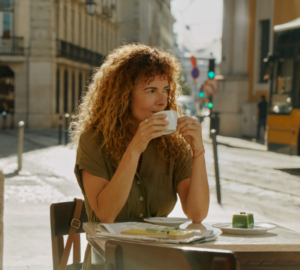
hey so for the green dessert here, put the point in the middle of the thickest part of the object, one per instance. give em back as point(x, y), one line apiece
point(243, 220)
point(251, 220)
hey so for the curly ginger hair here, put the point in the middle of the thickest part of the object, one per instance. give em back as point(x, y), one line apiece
point(105, 106)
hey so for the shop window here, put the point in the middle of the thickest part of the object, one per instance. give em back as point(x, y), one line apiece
point(7, 100)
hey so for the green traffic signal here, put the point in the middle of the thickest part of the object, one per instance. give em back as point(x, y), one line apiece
point(211, 74)
point(201, 95)
point(210, 105)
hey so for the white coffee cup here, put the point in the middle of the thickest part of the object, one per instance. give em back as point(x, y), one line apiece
point(172, 118)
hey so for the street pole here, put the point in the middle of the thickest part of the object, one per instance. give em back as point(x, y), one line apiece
point(195, 103)
point(66, 126)
point(59, 129)
point(216, 161)
point(20, 144)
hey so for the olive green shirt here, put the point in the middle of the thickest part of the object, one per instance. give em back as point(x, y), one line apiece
point(154, 187)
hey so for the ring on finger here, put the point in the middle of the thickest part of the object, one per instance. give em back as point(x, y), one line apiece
point(194, 123)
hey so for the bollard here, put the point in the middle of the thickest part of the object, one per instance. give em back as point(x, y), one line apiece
point(218, 188)
point(66, 126)
point(20, 144)
point(59, 129)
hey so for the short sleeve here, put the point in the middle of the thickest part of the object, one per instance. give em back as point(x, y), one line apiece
point(90, 157)
point(259, 105)
point(182, 169)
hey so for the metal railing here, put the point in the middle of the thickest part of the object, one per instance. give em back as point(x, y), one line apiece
point(11, 46)
point(73, 52)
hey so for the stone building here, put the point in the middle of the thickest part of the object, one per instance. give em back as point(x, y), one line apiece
point(147, 21)
point(49, 49)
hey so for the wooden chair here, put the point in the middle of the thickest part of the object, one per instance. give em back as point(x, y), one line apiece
point(61, 215)
point(127, 255)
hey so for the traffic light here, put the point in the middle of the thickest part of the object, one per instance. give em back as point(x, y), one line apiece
point(210, 105)
point(201, 95)
point(211, 68)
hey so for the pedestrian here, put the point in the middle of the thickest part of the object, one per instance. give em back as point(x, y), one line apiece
point(261, 116)
point(125, 167)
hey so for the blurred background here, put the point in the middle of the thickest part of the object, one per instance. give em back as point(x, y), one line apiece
point(240, 76)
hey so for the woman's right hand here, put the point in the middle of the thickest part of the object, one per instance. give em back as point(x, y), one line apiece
point(147, 131)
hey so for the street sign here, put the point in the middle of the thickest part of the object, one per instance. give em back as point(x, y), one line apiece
point(195, 73)
point(193, 61)
point(211, 87)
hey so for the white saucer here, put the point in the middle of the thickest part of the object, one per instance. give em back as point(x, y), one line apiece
point(167, 221)
point(259, 228)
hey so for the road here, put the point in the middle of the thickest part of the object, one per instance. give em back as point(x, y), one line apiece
point(252, 180)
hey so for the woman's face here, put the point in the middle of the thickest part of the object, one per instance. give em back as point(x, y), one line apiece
point(149, 97)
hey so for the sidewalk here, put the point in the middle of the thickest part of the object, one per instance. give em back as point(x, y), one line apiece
point(47, 176)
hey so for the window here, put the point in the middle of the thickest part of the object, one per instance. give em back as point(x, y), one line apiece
point(102, 38)
point(79, 87)
point(79, 29)
point(97, 36)
point(92, 35)
point(7, 101)
point(5, 24)
point(5, 4)
point(281, 100)
point(86, 32)
point(66, 22)
point(66, 91)
point(73, 26)
point(264, 48)
point(57, 90)
point(73, 92)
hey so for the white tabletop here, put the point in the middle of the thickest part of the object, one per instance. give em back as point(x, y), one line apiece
point(279, 239)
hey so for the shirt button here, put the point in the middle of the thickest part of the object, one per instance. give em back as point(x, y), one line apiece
point(138, 182)
point(141, 214)
point(141, 198)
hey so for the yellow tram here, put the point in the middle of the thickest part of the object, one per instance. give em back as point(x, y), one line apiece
point(283, 122)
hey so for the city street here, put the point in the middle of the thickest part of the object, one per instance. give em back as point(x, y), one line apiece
point(252, 180)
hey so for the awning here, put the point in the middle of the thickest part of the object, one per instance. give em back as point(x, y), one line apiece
point(287, 26)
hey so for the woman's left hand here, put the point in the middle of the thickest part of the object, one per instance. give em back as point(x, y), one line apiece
point(191, 131)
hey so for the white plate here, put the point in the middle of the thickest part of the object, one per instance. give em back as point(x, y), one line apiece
point(259, 228)
point(167, 221)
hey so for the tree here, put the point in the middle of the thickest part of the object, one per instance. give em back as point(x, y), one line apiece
point(185, 89)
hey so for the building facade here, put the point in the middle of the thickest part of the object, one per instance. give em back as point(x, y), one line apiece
point(247, 39)
point(147, 21)
point(49, 50)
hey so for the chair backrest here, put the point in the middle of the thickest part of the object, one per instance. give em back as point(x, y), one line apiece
point(61, 215)
point(127, 255)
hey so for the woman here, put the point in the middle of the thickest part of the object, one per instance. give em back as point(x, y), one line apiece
point(125, 167)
